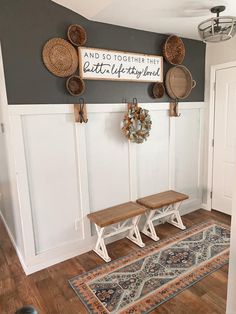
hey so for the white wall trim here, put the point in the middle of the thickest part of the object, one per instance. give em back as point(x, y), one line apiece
point(204, 206)
point(95, 108)
point(231, 300)
point(14, 243)
point(200, 153)
point(10, 155)
point(211, 120)
point(83, 178)
point(132, 171)
point(171, 166)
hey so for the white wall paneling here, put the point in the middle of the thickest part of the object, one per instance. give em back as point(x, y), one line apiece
point(50, 168)
point(188, 154)
point(66, 170)
point(9, 201)
point(152, 157)
point(108, 161)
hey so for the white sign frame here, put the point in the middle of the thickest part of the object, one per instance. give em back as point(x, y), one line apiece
point(119, 65)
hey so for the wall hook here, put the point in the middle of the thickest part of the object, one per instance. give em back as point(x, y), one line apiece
point(80, 111)
point(135, 101)
point(174, 109)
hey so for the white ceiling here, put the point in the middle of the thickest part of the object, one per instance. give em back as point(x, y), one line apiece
point(180, 17)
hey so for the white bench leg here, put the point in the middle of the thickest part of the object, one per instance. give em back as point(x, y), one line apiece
point(148, 228)
point(175, 218)
point(134, 234)
point(100, 247)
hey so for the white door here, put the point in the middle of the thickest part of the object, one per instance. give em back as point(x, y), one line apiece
point(224, 139)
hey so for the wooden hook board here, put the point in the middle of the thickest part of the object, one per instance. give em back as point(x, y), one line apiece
point(174, 109)
point(80, 111)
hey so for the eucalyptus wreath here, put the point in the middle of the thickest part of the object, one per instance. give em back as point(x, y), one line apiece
point(137, 124)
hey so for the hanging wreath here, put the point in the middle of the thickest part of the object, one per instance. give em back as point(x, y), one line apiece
point(137, 124)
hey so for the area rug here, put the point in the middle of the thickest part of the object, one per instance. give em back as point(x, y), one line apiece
point(143, 280)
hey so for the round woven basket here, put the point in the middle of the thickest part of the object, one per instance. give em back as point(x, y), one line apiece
point(77, 35)
point(60, 57)
point(75, 85)
point(179, 82)
point(158, 90)
point(174, 50)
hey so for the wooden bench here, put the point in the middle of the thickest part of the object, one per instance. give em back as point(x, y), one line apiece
point(120, 215)
point(163, 207)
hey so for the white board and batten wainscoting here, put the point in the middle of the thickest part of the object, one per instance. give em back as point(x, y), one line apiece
point(66, 170)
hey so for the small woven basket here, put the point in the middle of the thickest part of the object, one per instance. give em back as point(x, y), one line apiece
point(158, 90)
point(75, 85)
point(77, 35)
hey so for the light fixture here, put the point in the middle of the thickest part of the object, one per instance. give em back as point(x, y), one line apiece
point(219, 28)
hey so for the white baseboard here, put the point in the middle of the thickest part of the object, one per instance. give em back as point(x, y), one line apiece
point(47, 263)
point(190, 206)
point(14, 243)
point(29, 269)
point(204, 206)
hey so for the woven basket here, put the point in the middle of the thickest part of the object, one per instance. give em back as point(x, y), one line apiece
point(174, 50)
point(158, 90)
point(75, 85)
point(77, 35)
point(179, 82)
point(60, 57)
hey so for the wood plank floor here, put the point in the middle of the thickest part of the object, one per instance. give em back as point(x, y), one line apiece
point(48, 290)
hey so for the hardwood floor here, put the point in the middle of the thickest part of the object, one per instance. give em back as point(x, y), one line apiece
point(48, 290)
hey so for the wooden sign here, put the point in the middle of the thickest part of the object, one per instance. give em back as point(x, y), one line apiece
point(102, 64)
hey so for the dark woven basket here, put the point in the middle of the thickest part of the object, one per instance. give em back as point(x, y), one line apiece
point(75, 85)
point(158, 90)
point(77, 35)
point(174, 50)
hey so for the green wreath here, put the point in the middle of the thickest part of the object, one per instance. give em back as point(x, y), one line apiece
point(137, 124)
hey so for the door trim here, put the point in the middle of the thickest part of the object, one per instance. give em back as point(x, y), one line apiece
point(211, 121)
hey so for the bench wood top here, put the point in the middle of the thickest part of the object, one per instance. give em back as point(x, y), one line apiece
point(159, 200)
point(115, 214)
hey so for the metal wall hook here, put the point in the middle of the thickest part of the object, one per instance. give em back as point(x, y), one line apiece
point(135, 101)
point(82, 112)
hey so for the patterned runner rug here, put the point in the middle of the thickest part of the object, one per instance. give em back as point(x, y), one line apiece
point(143, 280)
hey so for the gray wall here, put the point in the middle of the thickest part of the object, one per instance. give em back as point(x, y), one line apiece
point(25, 25)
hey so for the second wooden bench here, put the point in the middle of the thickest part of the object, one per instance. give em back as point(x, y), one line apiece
point(162, 206)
